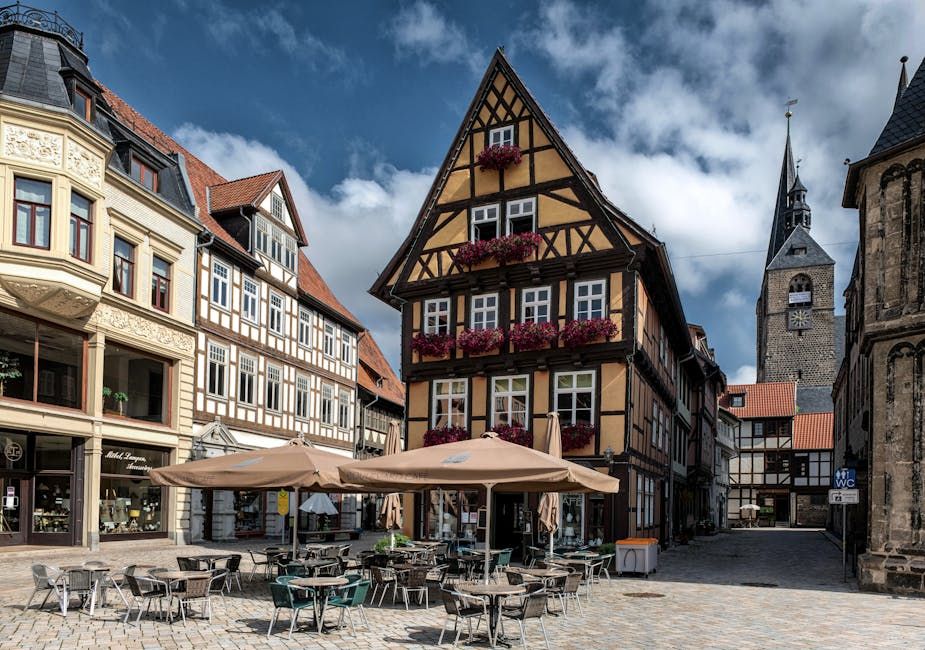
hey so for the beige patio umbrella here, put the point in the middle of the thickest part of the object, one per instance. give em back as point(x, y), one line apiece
point(297, 465)
point(391, 516)
point(548, 510)
point(487, 462)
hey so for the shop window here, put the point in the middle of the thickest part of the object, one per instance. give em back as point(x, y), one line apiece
point(249, 513)
point(51, 511)
point(81, 227)
point(40, 362)
point(129, 503)
point(572, 518)
point(32, 209)
point(134, 384)
point(451, 514)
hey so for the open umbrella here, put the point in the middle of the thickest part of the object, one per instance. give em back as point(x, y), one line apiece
point(487, 462)
point(295, 465)
point(548, 510)
point(319, 503)
point(391, 516)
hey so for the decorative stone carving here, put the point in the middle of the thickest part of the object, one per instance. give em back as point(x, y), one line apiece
point(51, 296)
point(85, 164)
point(117, 319)
point(33, 145)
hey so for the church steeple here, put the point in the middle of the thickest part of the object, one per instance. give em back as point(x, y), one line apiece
point(798, 212)
point(903, 82)
point(779, 229)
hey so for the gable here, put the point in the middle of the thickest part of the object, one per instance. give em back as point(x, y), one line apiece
point(277, 204)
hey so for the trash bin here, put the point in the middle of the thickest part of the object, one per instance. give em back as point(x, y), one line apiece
point(637, 555)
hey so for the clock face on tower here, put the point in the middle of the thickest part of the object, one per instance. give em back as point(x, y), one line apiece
point(799, 319)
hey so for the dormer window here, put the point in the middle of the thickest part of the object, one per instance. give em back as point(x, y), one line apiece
point(798, 250)
point(144, 174)
point(276, 206)
point(737, 401)
point(83, 104)
point(501, 137)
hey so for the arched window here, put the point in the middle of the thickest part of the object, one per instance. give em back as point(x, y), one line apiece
point(801, 290)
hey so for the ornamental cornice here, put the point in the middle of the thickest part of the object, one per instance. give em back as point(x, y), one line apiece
point(124, 322)
point(50, 296)
point(33, 145)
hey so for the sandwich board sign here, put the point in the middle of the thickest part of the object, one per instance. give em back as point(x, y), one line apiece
point(845, 478)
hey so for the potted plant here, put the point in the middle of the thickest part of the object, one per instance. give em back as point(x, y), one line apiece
point(9, 369)
point(433, 345)
point(384, 543)
point(480, 341)
point(498, 157)
point(513, 433)
point(576, 436)
point(118, 397)
point(581, 332)
point(443, 435)
point(533, 336)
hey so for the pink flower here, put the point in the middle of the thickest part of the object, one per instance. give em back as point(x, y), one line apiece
point(515, 248)
point(512, 433)
point(480, 341)
point(443, 435)
point(498, 157)
point(581, 332)
point(576, 436)
point(533, 336)
point(433, 345)
point(473, 252)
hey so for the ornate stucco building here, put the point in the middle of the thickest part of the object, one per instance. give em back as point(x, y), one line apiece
point(879, 391)
point(97, 286)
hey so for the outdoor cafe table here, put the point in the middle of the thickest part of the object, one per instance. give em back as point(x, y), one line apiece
point(97, 573)
point(210, 560)
point(545, 575)
point(495, 593)
point(587, 555)
point(175, 577)
point(322, 585)
point(315, 564)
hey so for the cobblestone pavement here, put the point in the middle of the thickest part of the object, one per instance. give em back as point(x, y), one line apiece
point(700, 603)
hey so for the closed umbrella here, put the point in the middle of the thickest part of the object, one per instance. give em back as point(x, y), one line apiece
point(295, 465)
point(391, 516)
point(319, 504)
point(548, 510)
point(487, 462)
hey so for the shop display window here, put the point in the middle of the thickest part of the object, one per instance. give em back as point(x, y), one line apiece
point(452, 514)
point(51, 511)
point(572, 513)
point(249, 512)
point(129, 502)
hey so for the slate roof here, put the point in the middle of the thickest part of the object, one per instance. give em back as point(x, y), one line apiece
point(813, 431)
point(766, 400)
point(375, 374)
point(814, 399)
point(778, 223)
point(908, 119)
point(800, 238)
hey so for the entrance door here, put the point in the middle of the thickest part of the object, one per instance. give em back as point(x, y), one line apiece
point(782, 509)
point(508, 521)
point(12, 524)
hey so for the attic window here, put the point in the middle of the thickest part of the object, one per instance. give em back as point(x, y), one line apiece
point(276, 206)
point(501, 137)
point(144, 174)
point(83, 104)
point(737, 401)
point(798, 250)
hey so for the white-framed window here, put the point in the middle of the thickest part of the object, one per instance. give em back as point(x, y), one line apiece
point(501, 136)
point(521, 216)
point(276, 205)
point(301, 396)
point(574, 393)
point(274, 387)
point(484, 312)
point(221, 273)
point(250, 301)
point(343, 409)
point(305, 328)
point(346, 348)
point(291, 252)
point(450, 403)
point(218, 371)
point(247, 379)
point(327, 404)
point(485, 222)
point(437, 316)
point(535, 303)
point(589, 299)
point(262, 237)
point(329, 336)
point(509, 399)
point(275, 321)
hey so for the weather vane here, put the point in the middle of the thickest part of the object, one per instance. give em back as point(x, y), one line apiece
point(790, 103)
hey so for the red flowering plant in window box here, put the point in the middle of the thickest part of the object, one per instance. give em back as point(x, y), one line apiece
point(533, 336)
point(443, 435)
point(513, 433)
point(581, 332)
point(433, 345)
point(480, 341)
point(576, 436)
point(474, 252)
point(498, 157)
point(515, 248)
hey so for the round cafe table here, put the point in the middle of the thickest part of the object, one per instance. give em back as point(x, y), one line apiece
point(172, 578)
point(97, 573)
point(320, 585)
point(495, 593)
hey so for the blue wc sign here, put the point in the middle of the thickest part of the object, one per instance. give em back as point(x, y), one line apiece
point(844, 479)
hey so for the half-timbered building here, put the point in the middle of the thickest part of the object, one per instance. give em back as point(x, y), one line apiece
point(524, 290)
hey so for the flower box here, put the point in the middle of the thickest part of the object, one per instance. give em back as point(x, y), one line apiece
point(515, 434)
point(480, 341)
point(433, 345)
point(443, 435)
point(582, 332)
point(498, 157)
point(576, 436)
point(474, 252)
point(515, 248)
point(533, 336)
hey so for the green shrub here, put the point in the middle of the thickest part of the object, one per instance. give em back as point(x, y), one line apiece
point(607, 549)
point(384, 543)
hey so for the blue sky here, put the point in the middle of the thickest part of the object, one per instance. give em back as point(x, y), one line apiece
point(677, 107)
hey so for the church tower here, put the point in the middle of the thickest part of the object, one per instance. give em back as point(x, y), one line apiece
point(795, 312)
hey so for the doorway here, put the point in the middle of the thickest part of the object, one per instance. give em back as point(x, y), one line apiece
point(12, 495)
point(782, 509)
point(508, 521)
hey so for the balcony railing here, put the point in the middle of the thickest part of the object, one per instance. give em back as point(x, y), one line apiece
point(46, 21)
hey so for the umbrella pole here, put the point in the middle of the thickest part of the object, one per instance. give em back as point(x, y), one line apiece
point(551, 552)
point(487, 531)
point(295, 526)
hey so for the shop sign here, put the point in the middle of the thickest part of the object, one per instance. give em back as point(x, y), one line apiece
point(282, 503)
point(13, 451)
point(126, 461)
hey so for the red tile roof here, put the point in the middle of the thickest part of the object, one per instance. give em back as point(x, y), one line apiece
point(225, 193)
point(373, 368)
point(813, 431)
point(768, 400)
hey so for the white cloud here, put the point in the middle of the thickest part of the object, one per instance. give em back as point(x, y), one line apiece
point(422, 31)
point(352, 232)
point(743, 375)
